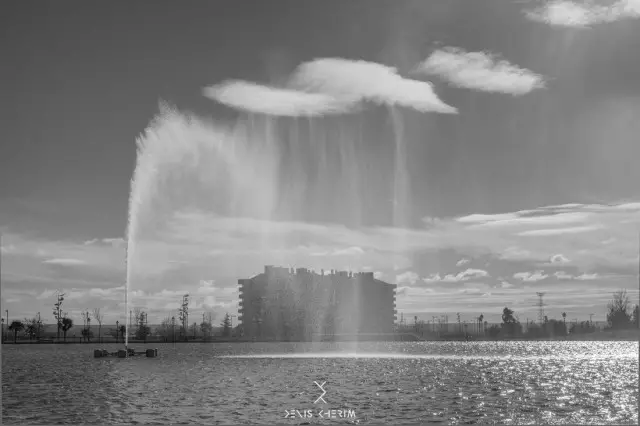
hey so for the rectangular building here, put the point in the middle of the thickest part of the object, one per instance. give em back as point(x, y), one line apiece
point(286, 305)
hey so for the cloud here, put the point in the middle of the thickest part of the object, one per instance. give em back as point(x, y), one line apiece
point(178, 256)
point(7, 249)
point(561, 275)
point(558, 258)
point(546, 216)
point(408, 277)
point(582, 15)
point(459, 277)
point(530, 276)
point(462, 262)
point(586, 277)
point(479, 71)
point(65, 262)
point(558, 231)
point(260, 99)
point(367, 81)
point(115, 242)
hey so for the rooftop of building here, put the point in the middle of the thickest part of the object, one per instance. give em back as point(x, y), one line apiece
point(281, 270)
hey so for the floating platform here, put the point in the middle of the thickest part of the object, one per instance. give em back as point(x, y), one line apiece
point(102, 353)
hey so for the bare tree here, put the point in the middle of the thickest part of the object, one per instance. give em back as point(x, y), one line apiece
point(137, 312)
point(619, 315)
point(99, 317)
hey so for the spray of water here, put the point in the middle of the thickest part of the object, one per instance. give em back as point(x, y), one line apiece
point(271, 168)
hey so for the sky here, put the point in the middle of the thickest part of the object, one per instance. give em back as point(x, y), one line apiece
point(472, 153)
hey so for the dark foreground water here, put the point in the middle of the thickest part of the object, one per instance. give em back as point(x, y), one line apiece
point(446, 382)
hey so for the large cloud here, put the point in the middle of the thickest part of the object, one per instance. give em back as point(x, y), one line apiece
point(370, 81)
point(260, 99)
point(584, 14)
point(480, 71)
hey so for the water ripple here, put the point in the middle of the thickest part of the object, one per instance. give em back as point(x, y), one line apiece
point(445, 382)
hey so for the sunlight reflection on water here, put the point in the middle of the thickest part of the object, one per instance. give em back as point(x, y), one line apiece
point(449, 382)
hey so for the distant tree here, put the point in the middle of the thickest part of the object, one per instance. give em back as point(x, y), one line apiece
point(618, 315)
point(507, 316)
point(123, 330)
point(143, 329)
point(480, 318)
point(582, 328)
point(635, 320)
point(87, 334)
point(65, 325)
point(16, 326)
point(31, 327)
point(58, 314)
point(99, 317)
point(226, 325)
point(494, 331)
point(564, 319)
point(206, 328)
point(510, 324)
point(166, 328)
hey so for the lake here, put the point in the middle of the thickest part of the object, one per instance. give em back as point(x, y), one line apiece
point(366, 383)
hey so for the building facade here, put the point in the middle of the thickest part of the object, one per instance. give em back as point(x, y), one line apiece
point(301, 305)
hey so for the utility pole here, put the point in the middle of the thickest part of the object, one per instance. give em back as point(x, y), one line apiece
point(591, 319)
point(540, 308)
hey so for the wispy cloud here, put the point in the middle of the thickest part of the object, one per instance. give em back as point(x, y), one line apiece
point(480, 71)
point(195, 245)
point(408, 277)
point(559, 258)
point(115, 242)
point(531, 276)
point(461, 276)
point(65, 262)
point(584, 14)
point(558, 231)
point(261, 99)
point(367, 81)
point(462, 262)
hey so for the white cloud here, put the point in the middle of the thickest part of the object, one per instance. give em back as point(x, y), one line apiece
point(558, 258)
point(115, 242)
point(453, 278)
point(527, 217)
point(432, 278)
point(506, 284)
point(462, 262)
point(256, 98)
point(480, 71)
point(367, 81)
point(408, 277)
point(587, 277)
point(561, 275)
point(530, 276)
point(65, 262)
point(558, 231)
point(574, 14)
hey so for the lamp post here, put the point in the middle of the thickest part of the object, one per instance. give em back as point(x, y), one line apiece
point(117, 330)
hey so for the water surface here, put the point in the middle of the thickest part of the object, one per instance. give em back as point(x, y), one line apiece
point(445, 382)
